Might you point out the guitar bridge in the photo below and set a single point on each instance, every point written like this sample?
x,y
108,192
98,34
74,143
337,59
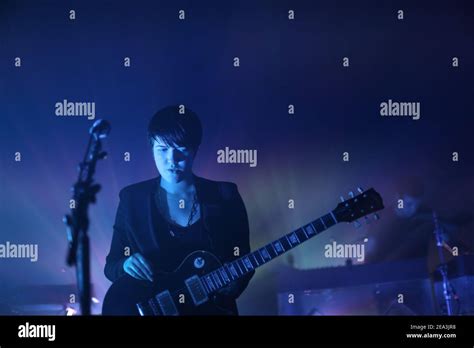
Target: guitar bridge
x,y
196,289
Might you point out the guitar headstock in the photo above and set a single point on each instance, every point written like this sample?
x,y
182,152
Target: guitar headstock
x,y
365,203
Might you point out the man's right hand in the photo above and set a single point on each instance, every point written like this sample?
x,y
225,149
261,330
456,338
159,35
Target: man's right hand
x,y
138,267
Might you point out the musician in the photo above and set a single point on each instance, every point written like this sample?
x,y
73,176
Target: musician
x,y
161,220
404,235
410,232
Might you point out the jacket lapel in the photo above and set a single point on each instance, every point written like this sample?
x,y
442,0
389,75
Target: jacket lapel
x,y
210,210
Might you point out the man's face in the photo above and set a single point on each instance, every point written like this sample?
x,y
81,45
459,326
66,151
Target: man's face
x,y
173,162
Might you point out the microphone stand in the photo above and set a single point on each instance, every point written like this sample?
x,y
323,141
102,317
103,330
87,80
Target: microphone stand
x,y
77,222
448,292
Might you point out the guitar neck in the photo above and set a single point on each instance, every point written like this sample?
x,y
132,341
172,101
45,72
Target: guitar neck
x,y
236,269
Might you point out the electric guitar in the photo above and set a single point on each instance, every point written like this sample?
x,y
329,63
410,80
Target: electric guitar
x,y
190,289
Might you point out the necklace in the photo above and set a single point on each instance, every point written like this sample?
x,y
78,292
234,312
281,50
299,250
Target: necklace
x,y
162,206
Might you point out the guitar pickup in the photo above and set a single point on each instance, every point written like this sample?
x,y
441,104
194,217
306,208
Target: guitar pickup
x,y
196,290
166,303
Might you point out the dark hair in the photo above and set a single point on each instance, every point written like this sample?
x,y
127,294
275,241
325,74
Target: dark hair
x,y
173,127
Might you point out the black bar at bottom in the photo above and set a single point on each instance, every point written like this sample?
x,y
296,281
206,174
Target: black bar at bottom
x,y
285,329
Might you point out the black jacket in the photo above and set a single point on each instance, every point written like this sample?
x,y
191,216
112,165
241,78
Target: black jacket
x,y
137,227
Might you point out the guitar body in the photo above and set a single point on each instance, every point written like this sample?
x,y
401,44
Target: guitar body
x,y
168,294
191,288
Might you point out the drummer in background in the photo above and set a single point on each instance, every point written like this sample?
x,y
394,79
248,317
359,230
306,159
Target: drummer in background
x,y
408,232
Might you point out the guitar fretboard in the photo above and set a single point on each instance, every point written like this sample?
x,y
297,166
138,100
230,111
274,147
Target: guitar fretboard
x,y
236,269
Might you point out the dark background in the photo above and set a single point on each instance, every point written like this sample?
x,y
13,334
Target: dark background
x,y
282,62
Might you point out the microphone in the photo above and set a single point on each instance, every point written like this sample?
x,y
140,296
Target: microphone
x,y
100,129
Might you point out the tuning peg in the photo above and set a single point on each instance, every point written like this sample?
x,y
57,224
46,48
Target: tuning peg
x,y
357,224
367,220
342,199
360,190
351,194
376,216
